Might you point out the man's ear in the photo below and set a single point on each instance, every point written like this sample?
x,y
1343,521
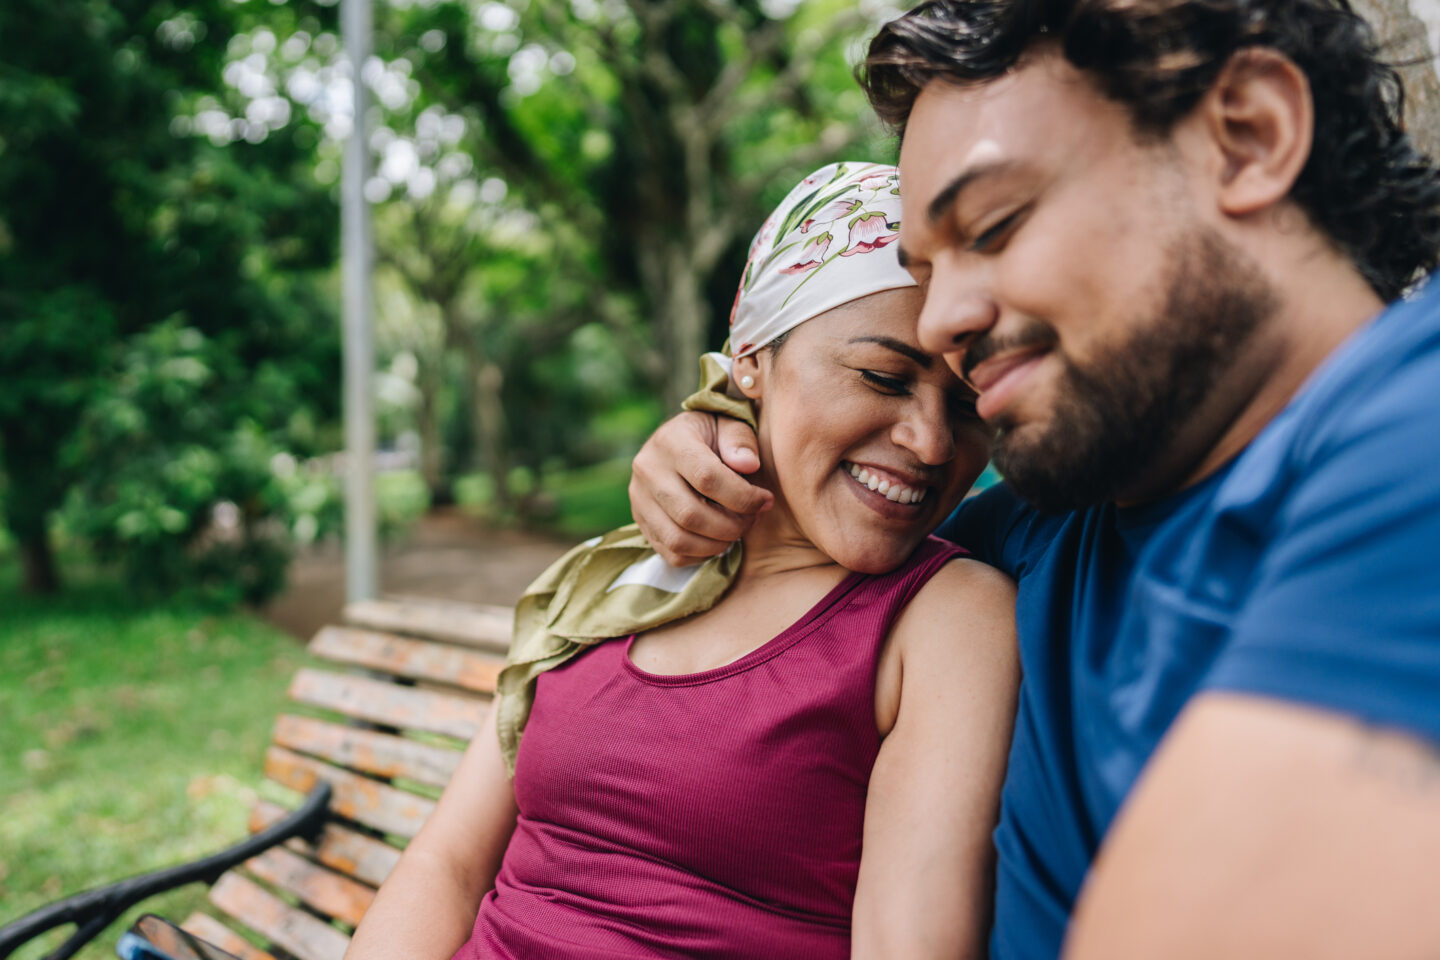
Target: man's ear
x,y
1260,117
749,366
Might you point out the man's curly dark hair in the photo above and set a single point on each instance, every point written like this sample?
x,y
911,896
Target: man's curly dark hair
x,y
1365,184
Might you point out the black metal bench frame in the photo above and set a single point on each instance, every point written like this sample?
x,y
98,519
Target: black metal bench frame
x,y
94,910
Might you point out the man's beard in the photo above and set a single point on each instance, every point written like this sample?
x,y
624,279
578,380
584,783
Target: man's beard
x,y
1116,417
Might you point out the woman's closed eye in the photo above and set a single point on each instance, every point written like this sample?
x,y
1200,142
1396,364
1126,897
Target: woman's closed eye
x,y
886,383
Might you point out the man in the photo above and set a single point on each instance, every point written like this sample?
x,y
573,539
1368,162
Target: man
x,y
1158,237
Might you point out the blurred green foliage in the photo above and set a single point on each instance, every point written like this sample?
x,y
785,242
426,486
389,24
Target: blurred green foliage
x,y
569,189
563,193
181,495
126,246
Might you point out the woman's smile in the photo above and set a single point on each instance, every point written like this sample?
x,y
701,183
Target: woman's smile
x,y
878,480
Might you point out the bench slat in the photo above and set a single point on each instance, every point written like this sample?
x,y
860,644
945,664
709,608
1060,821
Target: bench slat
x,y
293,930
340,848
377,805
378,701
327,892
210,930
378,754
476,625
414,659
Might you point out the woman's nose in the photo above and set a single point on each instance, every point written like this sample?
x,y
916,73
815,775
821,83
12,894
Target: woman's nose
x,y
926,430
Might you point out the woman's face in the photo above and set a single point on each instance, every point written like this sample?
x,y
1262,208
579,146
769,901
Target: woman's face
x,y
867,441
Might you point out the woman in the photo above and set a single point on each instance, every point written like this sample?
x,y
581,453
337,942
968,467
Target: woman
x,y
706,786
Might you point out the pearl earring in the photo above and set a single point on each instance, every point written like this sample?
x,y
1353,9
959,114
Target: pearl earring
x,y
747,381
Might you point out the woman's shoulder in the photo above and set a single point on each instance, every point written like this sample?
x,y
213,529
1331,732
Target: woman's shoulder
x,y
963,598
958,576
957,631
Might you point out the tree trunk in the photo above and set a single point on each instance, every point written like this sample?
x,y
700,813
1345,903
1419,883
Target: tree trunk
x,y
38,562
490,427
1403,30
487,413
687,320
29,460
432,449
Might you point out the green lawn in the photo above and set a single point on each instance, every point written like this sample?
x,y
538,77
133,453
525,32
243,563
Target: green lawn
x,y
131,738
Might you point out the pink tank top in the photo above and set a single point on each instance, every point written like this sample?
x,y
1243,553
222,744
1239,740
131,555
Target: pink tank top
x,y
709,815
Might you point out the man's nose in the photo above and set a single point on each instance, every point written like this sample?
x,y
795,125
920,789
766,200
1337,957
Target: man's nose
x,y
954,312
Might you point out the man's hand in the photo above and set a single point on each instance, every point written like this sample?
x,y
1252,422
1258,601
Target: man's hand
x,y
686,492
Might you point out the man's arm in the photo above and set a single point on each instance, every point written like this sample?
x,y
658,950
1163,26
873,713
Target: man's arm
x,y
926,876
686,489
1267,830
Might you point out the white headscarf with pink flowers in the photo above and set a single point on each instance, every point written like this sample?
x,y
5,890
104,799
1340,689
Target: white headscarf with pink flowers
x,y
827,243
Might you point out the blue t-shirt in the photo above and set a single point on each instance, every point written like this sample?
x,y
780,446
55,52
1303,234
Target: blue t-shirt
x,y
1308,569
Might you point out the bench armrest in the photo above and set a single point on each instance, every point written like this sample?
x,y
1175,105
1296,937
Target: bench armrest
x,y
94,910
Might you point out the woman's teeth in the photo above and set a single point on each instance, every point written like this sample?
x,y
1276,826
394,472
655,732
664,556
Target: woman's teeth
x,y
890,491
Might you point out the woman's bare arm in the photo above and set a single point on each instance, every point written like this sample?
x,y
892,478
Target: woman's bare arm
x,y
427,906
927,872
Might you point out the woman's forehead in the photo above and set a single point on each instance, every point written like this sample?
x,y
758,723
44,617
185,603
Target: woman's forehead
x,y
893,313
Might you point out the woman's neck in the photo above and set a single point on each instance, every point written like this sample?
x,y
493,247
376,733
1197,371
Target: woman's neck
x,y
775,546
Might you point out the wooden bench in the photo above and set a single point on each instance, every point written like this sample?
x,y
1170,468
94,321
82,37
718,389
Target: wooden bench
x,y
406,684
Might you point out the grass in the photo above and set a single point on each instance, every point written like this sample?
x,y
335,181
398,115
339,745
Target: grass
x,y
131,740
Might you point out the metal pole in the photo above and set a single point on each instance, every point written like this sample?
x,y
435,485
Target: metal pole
x,y
357,252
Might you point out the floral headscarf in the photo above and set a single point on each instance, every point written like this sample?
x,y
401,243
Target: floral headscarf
x,y
827,243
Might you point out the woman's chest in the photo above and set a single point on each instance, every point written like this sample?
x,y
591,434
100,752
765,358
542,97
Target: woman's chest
x,y
751,779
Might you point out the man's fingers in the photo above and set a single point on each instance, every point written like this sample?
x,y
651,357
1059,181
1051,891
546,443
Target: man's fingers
x,y
675,545
695,514
708,476
665,498
738,446
687,502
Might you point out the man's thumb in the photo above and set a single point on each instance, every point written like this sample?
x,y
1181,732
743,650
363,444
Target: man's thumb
x,y
738,447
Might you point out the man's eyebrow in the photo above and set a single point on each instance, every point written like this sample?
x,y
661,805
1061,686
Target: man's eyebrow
x,y
901,347
946,198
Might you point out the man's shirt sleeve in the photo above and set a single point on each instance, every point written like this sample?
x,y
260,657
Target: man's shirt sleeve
x,y
992,526
1344,610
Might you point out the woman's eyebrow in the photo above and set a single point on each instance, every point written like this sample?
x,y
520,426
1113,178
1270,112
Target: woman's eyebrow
x,y
901,347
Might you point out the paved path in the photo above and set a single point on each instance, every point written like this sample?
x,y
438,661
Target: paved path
x,y
446,555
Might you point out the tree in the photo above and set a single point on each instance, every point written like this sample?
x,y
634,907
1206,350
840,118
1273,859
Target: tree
x,y
505,296
1401,26
657,129
114,218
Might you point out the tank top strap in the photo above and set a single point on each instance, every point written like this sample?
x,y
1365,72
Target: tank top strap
x,y
932,554
866,614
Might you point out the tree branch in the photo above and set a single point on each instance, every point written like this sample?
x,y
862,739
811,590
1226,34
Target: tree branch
x,y
796,73
761,44
833,139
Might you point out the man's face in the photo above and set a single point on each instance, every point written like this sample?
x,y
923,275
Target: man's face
x,y
1069,276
